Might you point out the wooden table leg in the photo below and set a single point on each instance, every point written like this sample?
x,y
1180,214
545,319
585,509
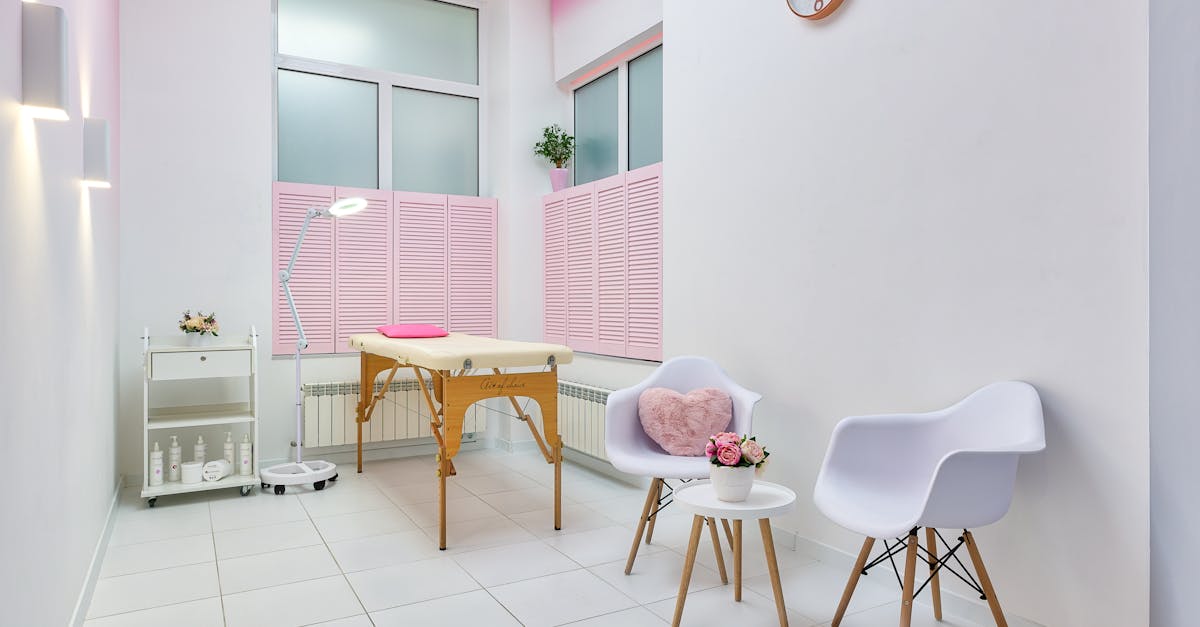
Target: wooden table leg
x,y
728,533
935,587
689,563
910,575
764,526
558,483
717,552
443,470
737,559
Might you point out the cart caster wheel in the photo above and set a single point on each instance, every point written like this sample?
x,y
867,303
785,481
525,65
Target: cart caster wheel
x,y
265,485
333,478
320,485
279,489
153,501
245,490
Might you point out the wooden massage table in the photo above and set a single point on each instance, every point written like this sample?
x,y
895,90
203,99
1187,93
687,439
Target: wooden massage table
x,y
451,363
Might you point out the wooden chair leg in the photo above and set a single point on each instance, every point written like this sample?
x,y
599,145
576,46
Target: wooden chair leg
x,y
637,537
689,563
654,512
717,552
863,554
935,586
910,579
985,582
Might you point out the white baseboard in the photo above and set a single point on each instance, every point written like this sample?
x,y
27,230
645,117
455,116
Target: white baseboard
x,y
952,603
93,573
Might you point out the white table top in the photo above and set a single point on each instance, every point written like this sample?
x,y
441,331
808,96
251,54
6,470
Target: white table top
x,y
766,500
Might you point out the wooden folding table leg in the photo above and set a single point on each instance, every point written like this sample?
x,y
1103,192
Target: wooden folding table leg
x,y
637,537
558,446
764,526
910,580
935,587
737,559
716,542
689,563
443,470
654,512
859,564
985,582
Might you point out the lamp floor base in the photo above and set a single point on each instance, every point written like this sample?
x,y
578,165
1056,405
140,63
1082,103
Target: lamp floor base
x,y
296,473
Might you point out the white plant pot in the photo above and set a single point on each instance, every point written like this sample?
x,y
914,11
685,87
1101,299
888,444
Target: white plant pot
x,y
199,339
732,484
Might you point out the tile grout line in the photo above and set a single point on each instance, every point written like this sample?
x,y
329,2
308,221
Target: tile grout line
x,y
336,563
216,565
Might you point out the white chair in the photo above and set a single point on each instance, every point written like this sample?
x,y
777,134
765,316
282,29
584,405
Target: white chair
x,y
632,451
887,476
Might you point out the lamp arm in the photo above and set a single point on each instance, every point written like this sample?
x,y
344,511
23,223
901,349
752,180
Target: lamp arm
x,y
285,276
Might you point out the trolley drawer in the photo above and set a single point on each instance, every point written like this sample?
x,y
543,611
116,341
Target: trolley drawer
x,y
199,364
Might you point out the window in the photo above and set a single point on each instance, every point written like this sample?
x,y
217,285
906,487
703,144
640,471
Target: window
x,y
618,119
380,94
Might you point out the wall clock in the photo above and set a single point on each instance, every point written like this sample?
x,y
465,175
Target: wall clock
x,y
814,9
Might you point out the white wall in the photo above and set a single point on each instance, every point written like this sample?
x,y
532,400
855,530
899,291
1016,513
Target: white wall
x,y
1174,309
58,285
587,30
891,208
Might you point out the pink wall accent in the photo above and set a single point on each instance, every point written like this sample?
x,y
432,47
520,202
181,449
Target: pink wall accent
x,y
472,293
312,277
422,274
363,297
602,272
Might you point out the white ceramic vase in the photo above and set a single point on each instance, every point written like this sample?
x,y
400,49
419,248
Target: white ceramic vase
x,y
198,339
732,483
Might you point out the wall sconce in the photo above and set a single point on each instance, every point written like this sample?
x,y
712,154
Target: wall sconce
x,y
95,153
44,61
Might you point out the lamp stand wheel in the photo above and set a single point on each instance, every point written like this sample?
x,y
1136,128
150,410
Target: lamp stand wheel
x,y
265,485
279,489
245,490
153,501
333,478
319,485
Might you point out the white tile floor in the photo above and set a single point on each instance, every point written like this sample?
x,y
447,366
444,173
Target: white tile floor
x,y
363,552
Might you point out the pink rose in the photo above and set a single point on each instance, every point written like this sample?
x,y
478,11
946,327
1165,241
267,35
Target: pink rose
x,y
710,449
729,454
727,438
752,451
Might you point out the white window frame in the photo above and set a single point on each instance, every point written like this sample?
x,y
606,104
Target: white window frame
x,y
622,68
384,82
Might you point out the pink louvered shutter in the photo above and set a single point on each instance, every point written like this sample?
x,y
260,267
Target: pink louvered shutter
x,y
581,268
611,316
363,266
312,278
472,231
420,258
554,268
643,193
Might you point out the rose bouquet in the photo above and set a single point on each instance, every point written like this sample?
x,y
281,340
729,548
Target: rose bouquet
x,y
736,451
201,323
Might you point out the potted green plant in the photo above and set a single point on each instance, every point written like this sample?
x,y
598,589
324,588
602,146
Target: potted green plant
x,y
556,146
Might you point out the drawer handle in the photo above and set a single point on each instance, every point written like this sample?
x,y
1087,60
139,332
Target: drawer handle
x,y
203,358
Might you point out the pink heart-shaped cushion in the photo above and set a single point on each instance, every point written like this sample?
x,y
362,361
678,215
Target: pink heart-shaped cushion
x,y
681,424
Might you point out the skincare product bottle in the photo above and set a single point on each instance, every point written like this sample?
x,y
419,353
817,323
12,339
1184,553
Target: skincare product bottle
x,y
156,465
174,458
244,466
228,452
200,451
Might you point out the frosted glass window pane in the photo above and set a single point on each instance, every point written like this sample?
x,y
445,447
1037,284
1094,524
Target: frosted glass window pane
x,y
422,37
596,129
328,130
435,142
645,109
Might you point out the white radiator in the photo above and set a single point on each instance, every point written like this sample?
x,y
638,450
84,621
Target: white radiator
x,y
330,410
581,417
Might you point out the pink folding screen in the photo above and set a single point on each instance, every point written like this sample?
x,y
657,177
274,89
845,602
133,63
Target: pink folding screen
x,y
407,258
312,277
472,265
422,276
603,265
362,266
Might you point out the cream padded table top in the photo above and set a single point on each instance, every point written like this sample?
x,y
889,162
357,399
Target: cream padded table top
x,y
449,353
766,500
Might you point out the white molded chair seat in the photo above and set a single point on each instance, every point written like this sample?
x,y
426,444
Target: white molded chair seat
x,y
886,476
631,451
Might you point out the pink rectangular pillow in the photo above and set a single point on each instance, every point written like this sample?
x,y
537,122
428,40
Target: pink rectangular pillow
x,y
412,330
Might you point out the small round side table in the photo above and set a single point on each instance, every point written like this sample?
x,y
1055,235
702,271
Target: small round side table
x,y
766,500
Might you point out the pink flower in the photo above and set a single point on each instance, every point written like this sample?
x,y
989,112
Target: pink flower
x,y
752,451
727,438
729,454
710,449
